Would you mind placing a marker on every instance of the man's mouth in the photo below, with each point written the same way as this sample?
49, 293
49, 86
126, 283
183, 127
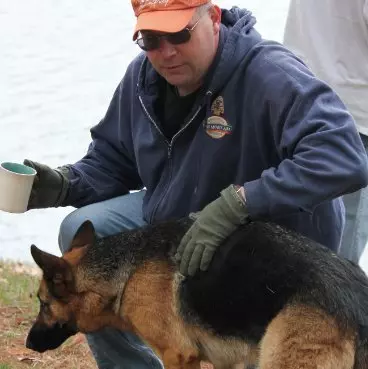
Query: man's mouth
172, 67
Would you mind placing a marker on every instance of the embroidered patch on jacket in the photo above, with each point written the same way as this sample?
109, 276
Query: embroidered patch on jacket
216, 125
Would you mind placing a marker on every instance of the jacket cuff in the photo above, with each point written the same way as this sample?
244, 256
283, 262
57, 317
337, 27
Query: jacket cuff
65, 185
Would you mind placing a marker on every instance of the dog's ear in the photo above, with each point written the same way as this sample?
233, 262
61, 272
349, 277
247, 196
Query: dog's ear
56, 271
84, 236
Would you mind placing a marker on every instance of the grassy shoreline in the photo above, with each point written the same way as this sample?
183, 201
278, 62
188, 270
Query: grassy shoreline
18, 308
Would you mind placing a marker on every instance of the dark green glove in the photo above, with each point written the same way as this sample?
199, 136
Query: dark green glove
50, 186
213, 225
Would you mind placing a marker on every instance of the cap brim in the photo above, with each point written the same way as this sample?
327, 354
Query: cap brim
168, 21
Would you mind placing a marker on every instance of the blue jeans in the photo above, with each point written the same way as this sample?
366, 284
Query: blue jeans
111, 348
355, 234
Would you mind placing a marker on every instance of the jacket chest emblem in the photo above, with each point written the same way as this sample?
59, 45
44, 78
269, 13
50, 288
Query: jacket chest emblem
216, 125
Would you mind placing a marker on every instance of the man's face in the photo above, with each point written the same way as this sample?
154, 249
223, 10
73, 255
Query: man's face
185, 65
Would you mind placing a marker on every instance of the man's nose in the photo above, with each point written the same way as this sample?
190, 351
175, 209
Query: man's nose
167, 49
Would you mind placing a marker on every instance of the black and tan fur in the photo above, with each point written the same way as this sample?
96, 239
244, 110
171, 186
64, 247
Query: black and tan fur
272, 298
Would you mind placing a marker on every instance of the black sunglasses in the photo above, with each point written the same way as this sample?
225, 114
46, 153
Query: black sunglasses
151, 41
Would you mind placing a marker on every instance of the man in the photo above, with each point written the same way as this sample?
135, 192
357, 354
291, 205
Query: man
208, 108
331, 37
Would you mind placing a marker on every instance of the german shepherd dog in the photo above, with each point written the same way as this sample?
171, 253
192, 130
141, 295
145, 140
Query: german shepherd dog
272, 298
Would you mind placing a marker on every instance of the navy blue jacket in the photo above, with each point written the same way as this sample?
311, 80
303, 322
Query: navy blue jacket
264, 121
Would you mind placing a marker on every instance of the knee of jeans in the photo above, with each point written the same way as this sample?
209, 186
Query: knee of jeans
105, 216
68, 228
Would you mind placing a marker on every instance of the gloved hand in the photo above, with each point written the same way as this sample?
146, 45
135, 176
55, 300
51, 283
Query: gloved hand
213, 225
50, 186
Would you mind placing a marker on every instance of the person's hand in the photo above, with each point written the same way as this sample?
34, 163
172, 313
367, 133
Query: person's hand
217, 221
50, 186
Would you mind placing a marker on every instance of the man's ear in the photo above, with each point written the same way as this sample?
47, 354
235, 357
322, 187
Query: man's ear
216, 18
56, 272
84, 236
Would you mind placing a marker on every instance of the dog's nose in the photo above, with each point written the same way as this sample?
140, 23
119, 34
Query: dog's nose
29, 344
33, 342
33, 346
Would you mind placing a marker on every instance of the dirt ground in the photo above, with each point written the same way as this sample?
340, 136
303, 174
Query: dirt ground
18, 309
14, 325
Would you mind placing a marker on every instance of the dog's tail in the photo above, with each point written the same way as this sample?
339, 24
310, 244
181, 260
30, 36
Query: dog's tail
361, 353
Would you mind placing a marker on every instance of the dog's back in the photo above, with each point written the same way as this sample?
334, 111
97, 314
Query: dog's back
260, 268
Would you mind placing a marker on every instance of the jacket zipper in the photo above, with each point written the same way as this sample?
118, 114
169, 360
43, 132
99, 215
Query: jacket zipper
169, 150
169, 144
153, 122
183, 128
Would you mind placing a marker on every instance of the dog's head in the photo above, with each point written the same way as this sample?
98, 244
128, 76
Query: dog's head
68, 303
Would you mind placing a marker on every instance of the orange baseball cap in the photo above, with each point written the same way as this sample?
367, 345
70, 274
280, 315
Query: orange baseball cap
164, 15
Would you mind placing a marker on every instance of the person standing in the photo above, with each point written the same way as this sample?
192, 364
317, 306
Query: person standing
331, 37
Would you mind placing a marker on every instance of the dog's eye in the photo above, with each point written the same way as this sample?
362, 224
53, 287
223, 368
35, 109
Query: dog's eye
44, 305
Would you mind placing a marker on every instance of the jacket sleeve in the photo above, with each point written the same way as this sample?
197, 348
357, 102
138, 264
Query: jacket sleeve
321, 154
108, 169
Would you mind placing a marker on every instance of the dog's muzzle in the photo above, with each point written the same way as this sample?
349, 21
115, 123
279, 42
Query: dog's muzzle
42, 338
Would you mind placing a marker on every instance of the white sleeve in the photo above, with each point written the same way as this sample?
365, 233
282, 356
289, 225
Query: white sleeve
365, 11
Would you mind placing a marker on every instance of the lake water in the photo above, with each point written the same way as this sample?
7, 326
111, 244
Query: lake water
60, 62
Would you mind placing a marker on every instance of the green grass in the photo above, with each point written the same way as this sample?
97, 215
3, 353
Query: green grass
17, 288
5, 366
